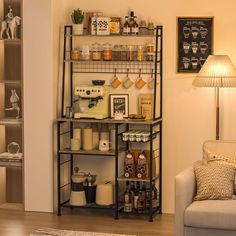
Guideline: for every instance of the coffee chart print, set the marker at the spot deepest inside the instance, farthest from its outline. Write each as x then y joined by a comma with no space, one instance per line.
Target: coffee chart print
195,43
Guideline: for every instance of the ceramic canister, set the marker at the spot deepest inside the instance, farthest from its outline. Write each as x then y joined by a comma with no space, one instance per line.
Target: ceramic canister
87,139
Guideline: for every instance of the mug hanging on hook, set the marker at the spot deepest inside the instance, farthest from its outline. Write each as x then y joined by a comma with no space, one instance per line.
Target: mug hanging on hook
140,83
116,82
128,81
151,82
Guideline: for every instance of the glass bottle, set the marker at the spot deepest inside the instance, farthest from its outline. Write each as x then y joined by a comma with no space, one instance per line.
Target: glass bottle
140,202
132,193
131,53
136,196
85,54
127,199
136,26
126,27
143,28
144,189
150,28
131,23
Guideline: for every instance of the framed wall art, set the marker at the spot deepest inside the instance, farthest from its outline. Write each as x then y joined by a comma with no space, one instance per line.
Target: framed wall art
195,43
119,103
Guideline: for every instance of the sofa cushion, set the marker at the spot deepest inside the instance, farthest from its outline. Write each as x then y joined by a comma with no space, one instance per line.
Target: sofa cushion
217,214
214,182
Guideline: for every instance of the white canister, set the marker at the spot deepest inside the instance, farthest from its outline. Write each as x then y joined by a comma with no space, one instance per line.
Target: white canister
104,194
87,139
75,144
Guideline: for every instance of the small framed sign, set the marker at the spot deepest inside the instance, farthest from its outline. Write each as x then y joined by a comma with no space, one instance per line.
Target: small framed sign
195,43
146,104
119,103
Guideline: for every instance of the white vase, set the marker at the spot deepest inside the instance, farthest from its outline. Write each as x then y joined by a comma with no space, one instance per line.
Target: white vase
78,29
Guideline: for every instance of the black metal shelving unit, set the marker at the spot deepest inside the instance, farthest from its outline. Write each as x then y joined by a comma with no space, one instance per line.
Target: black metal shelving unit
155,124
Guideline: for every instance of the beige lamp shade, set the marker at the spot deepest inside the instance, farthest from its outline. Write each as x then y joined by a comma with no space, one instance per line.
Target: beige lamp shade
218,71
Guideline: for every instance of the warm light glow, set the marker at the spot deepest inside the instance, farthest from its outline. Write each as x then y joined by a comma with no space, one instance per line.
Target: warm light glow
217,71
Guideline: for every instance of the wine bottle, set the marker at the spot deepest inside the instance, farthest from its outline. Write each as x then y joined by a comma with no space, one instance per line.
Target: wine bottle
127,199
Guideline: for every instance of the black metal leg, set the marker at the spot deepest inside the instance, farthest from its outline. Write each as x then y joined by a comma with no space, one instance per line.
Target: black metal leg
160,169
116,174
58,171
150,171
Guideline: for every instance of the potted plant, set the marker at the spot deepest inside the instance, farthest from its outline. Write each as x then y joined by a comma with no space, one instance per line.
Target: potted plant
77,17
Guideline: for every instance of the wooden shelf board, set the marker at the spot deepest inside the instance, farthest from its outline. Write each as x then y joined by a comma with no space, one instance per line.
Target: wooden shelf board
10,81
111,121
123,179
112,35
90,205
10,121
84,152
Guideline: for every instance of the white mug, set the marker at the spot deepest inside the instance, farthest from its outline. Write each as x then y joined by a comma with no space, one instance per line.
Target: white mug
104,145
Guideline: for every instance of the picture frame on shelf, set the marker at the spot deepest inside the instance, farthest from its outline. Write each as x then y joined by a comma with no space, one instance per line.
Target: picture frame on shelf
115,25
119,103
194,42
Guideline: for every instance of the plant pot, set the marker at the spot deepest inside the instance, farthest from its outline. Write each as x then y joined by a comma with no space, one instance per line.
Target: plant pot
78,29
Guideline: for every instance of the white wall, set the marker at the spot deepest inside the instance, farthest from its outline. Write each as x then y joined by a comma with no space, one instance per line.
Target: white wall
189,113
38,104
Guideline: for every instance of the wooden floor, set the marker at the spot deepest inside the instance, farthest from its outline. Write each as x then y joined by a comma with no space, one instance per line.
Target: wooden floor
17,223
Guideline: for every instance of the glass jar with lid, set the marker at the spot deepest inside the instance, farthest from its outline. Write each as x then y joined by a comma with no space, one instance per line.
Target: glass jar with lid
116,53
85,53
143,28
131,53
123,53
75,55
107,52
150,52
96,52
140,53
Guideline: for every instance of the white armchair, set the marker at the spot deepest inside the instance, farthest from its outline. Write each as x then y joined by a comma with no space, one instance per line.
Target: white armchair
209,217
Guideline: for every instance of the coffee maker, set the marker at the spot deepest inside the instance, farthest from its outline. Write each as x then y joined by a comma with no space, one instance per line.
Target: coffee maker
77,196
92,101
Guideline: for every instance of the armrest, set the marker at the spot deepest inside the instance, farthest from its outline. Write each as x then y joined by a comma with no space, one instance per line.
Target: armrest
185,187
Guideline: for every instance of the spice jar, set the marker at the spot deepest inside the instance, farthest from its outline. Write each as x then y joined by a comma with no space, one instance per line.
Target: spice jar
75,55
96,52
131,53
143,28
85,54
107,52
116,53
150,52
123,53
150,28
140,53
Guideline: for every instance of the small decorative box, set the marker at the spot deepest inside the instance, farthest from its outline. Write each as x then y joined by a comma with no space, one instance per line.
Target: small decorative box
115,25
103,25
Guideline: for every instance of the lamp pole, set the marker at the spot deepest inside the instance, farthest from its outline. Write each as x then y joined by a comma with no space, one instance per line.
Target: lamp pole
217,113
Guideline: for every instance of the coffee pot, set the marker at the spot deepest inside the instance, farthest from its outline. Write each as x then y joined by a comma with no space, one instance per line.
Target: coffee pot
77,196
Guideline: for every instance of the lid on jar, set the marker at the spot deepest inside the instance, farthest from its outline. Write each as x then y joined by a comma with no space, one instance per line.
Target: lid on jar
107,46
96,46
85,49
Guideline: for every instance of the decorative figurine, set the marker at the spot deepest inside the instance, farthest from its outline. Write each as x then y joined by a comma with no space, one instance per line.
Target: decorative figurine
10,25
14,99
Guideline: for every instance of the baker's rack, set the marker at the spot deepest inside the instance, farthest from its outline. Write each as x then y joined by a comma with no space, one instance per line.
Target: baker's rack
155,124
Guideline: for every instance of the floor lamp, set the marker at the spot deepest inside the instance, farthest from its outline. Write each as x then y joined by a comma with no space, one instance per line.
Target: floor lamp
217,72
